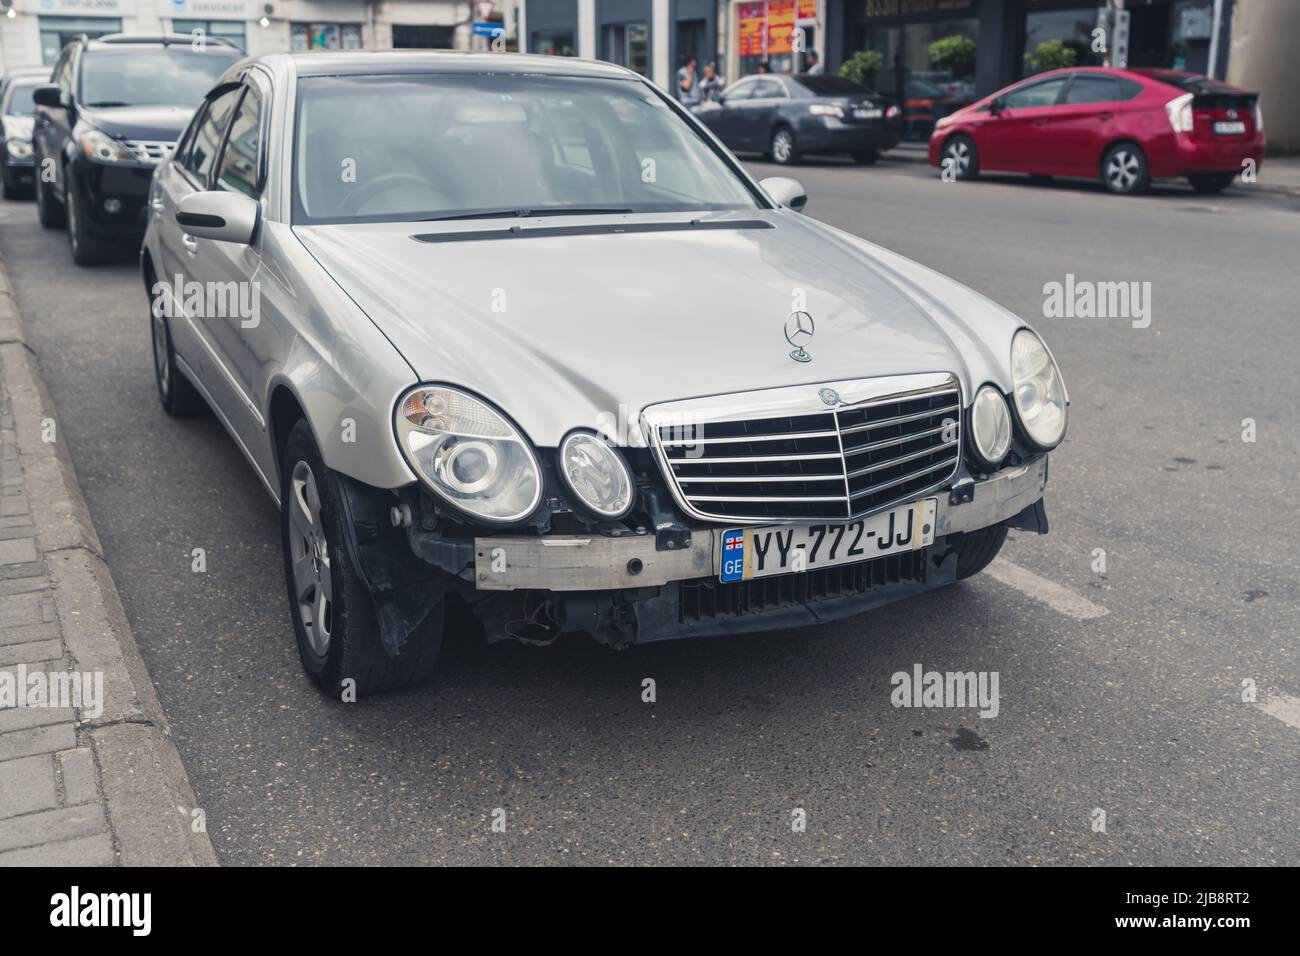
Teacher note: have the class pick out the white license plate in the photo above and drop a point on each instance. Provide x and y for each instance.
(868, 114)
(1230, 127)
(745, 553)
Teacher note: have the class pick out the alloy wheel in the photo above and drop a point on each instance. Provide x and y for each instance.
(959, 153)
(312, 584)
(161, 361)
(782, 146)
(1122, 170)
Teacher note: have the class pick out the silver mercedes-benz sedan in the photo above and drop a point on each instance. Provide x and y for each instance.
(515, 341)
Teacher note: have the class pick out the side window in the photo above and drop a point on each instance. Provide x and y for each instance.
(238, 170)
(187, 135)
(1127, 88)
(207, 137)
(768, 90)
(1035, 94)
(741, 91)
(1089, 88)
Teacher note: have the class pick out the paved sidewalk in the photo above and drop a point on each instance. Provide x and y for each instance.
(97, 784)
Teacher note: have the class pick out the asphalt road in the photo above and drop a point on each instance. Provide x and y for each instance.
(1137, 712)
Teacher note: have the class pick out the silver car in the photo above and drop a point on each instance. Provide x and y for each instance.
(514, 342)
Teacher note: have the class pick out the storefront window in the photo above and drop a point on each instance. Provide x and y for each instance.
(57, 32)
(1057, 38)
(765, 33)
(325, 36)
(929, 66)
(232, 30)
(552, 43)
(628, 44)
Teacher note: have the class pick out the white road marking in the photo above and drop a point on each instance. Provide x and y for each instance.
(1284, 707)
(1059, 598)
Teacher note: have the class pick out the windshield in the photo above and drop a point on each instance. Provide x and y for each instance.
(447, 146)
(174, 76)
(20, 99)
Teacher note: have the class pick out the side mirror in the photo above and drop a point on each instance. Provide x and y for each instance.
(786, 191)
(221, 215)
(995, 107)
(51, 96)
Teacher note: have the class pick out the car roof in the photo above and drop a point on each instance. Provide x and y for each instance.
(117, 41)
(363, 62)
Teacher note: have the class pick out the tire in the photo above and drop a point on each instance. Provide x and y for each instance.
(49, 212)
(1041, 179)
(1211, 182)
(977, 549)
(784, 150)
(865, 157)
(333, 617)
(179, 397)
(86, 249)
(962, 151)
(7, 187)
(1124, 170)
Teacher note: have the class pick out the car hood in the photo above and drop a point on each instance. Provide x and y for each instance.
(162, 123)
(577, 329)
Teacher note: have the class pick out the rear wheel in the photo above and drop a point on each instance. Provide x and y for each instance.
(1124, 169)
(333, 616)
(179, 397)
(49, 212)
(785, 150)
(1211, 182)
(977, 549)
(960, 155)
(865, 157)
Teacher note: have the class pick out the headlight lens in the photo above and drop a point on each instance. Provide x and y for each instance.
(596, 474)
(990, 424)
(1039, 390)
(102, 148)
(467, 452)
(18, 148)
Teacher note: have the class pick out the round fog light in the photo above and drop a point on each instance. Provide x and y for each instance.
(112, 206)
(990, 425)
(596, 475)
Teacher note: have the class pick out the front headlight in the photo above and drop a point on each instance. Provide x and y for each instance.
(1039, 390)
(596, 475)
(18, 148)
(990, 421)
(102, 148)
(469, 453)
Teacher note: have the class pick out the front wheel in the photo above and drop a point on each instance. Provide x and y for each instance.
(865, 157)
(977, 549)
(49, 213)
(960, 159)
(178, 396)
(1124, 170)
(785, 150)
(1211, 182)
(86, 249)
(333, 616)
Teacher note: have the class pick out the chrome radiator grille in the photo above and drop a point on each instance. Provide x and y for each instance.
(149, 150)
(814, 452)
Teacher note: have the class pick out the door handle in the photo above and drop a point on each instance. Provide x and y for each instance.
(1040, 122)
(1104, 116)
(190, 243)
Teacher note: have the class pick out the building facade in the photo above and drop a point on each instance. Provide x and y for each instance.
(32, 32)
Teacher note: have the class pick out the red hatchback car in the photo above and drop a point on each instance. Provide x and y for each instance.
(1125, 127)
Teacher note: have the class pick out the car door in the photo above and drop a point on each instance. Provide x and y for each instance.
(52, 127)
(1013, 136)
(722, 117)
(230, 269)
(1084, 121)
(756, 115)
(181, 268)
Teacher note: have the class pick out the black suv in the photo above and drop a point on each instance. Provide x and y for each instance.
(114, 108)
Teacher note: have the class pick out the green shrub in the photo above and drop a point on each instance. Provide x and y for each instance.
(862, 67)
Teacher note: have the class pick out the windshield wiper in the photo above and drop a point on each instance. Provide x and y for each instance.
(533, 211)
(106, 104)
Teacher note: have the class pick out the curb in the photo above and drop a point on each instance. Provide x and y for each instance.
(147, 794)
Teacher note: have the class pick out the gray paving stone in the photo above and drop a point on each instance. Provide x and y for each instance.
(27, 633)
(96, 850)
(37, 740)
(23, 718)
(30, 652)
(27, 785)
(80, 778)
(50, 826)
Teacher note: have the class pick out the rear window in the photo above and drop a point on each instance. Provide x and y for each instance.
(829, 85)
(169, 76)
(1192, 83)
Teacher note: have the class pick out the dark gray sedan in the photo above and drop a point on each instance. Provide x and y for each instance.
(786, 117)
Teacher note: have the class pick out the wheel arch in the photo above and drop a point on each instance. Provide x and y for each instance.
(1120, 141)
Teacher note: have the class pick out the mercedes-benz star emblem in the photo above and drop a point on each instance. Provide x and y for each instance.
(830, 396)
(799, 332)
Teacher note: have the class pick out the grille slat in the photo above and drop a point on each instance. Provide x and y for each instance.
(902, 436)
(150, 150)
